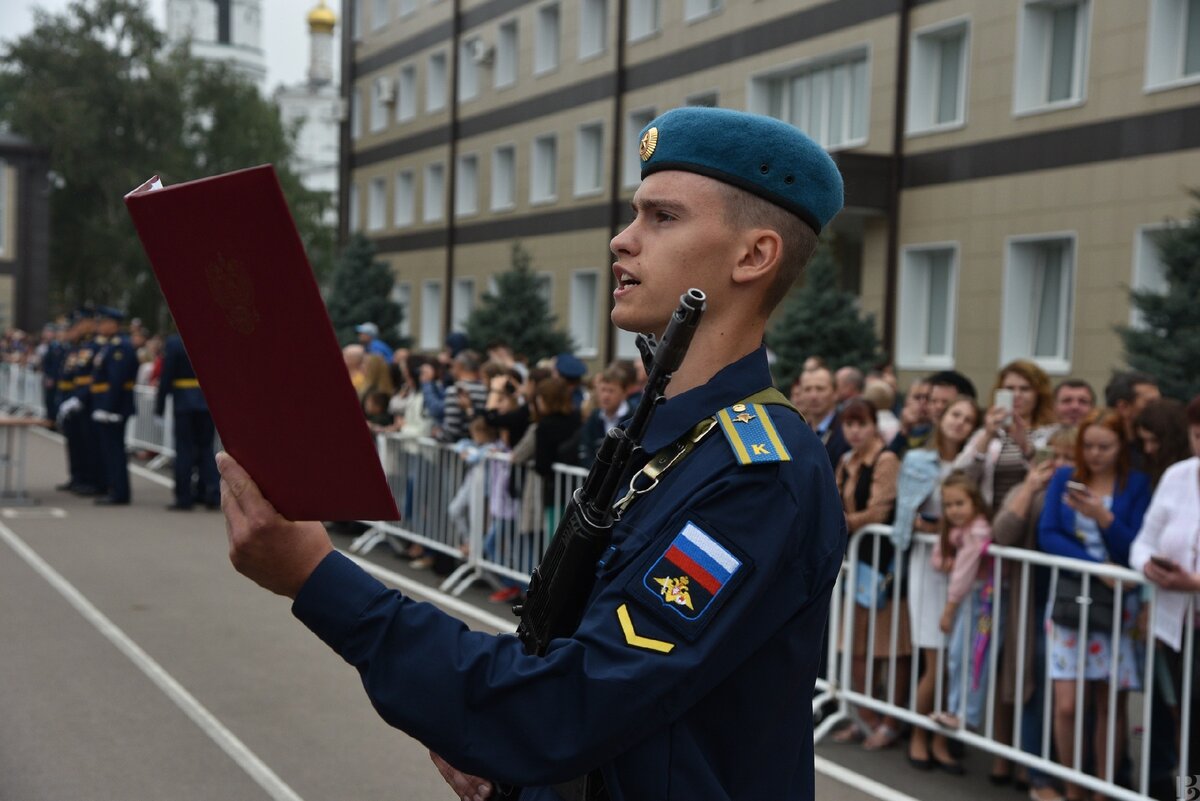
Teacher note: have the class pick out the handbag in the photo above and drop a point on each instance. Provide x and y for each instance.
(1068, 598)
(871, 589)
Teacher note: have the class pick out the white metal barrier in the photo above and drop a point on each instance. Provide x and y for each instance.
(1022, 565)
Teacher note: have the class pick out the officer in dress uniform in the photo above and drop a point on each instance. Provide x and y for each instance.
(691, 674)
(193, 428)
(74, 414)
(52, 366)
(114, 372)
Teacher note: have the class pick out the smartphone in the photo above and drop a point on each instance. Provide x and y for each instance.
(1004, 399)
(1077, 486)
(1043, 454)
(1163, 562)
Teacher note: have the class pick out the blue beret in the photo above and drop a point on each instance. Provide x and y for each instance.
(110, 313)
(569, 367)
(762, 155)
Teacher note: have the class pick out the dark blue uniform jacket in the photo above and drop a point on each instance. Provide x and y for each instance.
(178, 380)
(700, 694)
(114, 371)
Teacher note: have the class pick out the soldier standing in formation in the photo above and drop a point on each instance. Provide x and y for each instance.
(194, 431)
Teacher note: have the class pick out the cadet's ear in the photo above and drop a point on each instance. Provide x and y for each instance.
(763, 248)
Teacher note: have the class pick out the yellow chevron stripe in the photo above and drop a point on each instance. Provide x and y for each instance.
(635, 639)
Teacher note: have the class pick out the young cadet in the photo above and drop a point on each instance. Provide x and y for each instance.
(691, 674)
(113, 373)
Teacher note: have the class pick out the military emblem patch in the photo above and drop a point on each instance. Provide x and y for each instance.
(691, 573)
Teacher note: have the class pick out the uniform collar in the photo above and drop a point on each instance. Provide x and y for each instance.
(733, 383)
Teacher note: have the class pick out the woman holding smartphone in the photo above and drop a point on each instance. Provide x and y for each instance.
(1167, 551)
(1092, 513)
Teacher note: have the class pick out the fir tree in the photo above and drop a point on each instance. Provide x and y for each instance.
(819, 319)
(1167, 343)
(517, 314)
(361, 292)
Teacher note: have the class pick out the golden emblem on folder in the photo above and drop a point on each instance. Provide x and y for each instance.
(649, 142)
(233, 291)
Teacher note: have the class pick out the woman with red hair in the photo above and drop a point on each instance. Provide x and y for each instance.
(1092, 513)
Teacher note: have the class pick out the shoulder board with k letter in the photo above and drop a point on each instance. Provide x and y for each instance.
(751, 434)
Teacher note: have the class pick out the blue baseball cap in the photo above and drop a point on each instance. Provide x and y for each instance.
(569, 366)
(762, 155)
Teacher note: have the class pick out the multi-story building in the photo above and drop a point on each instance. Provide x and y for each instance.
(1008, 164)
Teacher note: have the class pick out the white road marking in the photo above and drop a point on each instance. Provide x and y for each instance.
(226, 740)
(26, 512)
(858, 781)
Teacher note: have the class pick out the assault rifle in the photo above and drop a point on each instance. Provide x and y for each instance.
(562, 583)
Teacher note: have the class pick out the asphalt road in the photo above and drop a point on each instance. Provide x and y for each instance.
(136, 664)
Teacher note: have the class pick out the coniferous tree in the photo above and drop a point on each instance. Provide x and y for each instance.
(517, 314)
(361, 293)
(819, 319)
(1167, 343)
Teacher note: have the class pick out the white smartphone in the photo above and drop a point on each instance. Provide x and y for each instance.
(1004, 399)
(1077, 486)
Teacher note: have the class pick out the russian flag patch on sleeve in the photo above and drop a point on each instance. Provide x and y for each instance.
(691, 573)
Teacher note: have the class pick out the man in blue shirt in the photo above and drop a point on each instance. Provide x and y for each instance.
(368, 337)
(691, 673)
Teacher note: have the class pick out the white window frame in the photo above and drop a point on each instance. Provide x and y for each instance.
(545, 282)
(922, 105)
(1031, 76)
(379, 104)
(431, 315)
(1166, 46)
(433, 209)
(462, 303)
(402, 296)
(466, 185)
(468, 69)
(697, 10)
(508, 53)
(709, 99)
(404, 205)
(631, 170)
(435, 81)
(1148, 271)
(537, 171)
(377, 203)
(508, 201)
(626, 344)
(1017, 334)
(912, 321)
(583, 132)
(378, 19)
(356, 113)
(406, 93)
(644, 11)
(593, 34)
(585, 335)
(547, 50)
(759, 91)
(357, 13)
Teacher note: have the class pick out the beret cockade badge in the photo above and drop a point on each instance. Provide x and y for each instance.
(649, 142)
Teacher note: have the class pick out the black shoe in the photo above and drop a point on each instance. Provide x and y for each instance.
(177, 507)
(107, 501)
(921, 764)
(213, 507)
(84, 490)
(953, 768)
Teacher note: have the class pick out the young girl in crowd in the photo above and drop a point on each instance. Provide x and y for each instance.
(967, 616)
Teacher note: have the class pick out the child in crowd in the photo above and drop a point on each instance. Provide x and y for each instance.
(967, 617)
(473, 451)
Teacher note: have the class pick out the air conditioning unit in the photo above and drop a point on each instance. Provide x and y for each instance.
(481, 52)
(385, 90)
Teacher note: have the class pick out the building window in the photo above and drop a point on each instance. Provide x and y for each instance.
(468, 68)
(634, 123)
(1149, 269)
(1173, 49)
(435, 83)
(407, 7)
(939, 78)
(584, 314)
(376, 204)
(352, 213)
(545, 288)
(433, 201)
(4, 210)
(543, 169)
(645, 18)
(698, 9)
(466, 186)
(627, 345)
(383, 92)
(405, 212)
(462, 303)
(1052, 54)
(506, 54)
(589, 158)
(356, 114)
(356, 11)
(593, 27)
(1036, 318)
(925, 327)
(828, 100)
(431, 315)
(504, 178)
(406, 93)
(379, 14)
(545, 39)
(702, 99)
(402, 297)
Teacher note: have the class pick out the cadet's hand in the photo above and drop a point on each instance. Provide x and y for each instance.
(274, 553)
(467, 787)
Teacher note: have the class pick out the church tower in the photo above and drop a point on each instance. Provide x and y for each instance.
(225, 31)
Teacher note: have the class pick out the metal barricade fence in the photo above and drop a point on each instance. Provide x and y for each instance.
(1011, 570)
(145, 432)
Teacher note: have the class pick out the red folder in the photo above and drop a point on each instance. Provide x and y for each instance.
(234, 273)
